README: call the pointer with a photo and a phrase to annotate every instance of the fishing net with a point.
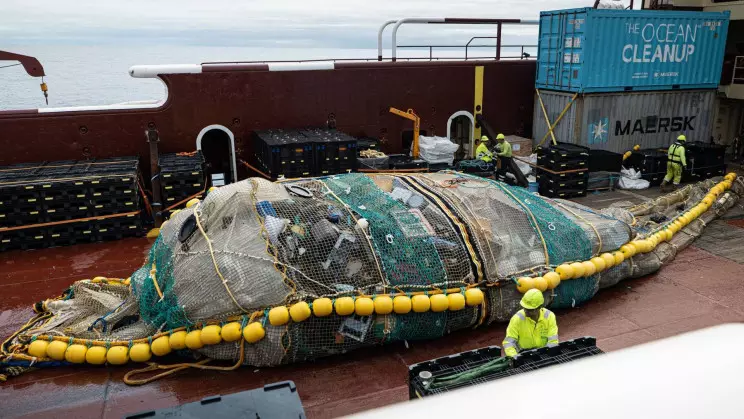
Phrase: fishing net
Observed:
(256, 245)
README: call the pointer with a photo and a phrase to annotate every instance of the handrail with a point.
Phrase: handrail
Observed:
(458, 21)
(738, 66)
(379, 37)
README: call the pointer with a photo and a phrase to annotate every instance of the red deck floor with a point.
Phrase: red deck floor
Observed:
(697, 290)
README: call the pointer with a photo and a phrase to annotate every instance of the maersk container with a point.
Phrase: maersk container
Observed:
(618, 121)
(603, 50)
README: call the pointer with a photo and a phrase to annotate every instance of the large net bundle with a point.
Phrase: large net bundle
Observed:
(315, 267)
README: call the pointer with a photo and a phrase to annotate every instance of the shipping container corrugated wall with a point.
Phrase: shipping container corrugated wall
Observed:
(618, 121)
(599, 50)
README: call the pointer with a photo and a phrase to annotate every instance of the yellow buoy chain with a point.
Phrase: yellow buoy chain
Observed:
(607, 260)
(98, 352)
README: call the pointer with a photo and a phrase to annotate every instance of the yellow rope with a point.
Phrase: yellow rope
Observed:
(157, 287)
(534, 220)
(456, 221)
(596, 232)
(172, 369)
(214, 260)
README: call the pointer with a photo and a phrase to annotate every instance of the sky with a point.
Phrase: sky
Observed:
(254, 23)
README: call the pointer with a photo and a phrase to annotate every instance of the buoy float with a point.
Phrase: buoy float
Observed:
(565, 271)
(364, 306)
(473, 296)
(192, 202)
(609, 260)
(589, 268)
(254, 332)
(383, 304)
(300, 311)
(619, 257)
(578, 269)
(76, 353)
(553, 280)
(56, 350)
(525, 284)
(140, 352)
(599, 264)
(117, 355)
(193, 340)
(438, 303)
(344, 306)
(177, 340)
(541, 284)
(279, 316)
(231, 332)
(38, 348)
(420, 303)
(211, 335)
(456, 301)
(96, 355)
(401, 304)
(322, 307)
(161, 346)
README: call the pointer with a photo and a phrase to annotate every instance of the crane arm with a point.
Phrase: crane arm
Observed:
(411, 115)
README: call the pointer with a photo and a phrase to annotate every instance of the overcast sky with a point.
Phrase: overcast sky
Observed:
(299, 23)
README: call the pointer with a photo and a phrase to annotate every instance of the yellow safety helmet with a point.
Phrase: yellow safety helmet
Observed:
(682, 138)
(500, 137)
(532, 299)
(484, 138)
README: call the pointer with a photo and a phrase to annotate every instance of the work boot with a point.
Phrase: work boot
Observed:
(663, 186)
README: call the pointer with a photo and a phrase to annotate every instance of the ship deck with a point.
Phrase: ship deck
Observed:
(700, 288)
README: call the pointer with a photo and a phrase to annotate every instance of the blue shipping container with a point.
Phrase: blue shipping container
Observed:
(604, 50)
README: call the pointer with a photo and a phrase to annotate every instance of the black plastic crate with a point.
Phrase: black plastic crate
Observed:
(564, 193)
(80, 210)
(705, 154)
(278, 400)
(447, 365)
(368, 143)
(562, 353)
(560, 178)
(604, 161)
(286, 153)
(708, 172)
(563, 151)
(560, 184)
(560, 165)
(435, 167)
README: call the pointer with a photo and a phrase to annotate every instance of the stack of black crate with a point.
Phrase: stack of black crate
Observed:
(566, 174)
(285, 153)
(302, 153)
(334, 151)
(181, 177)
(58, 193)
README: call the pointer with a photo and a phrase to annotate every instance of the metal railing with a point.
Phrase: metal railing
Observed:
(498, 54)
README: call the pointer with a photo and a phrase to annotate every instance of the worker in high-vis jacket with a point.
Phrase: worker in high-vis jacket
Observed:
(482, 152)
(675, 162)
(532, 327)
(504, 154)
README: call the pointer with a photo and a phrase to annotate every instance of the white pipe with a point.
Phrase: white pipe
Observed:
(153, 71)
(379, 37)
(410, 20)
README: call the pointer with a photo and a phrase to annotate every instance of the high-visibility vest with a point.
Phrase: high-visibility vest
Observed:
(524, 333)
(676, 153)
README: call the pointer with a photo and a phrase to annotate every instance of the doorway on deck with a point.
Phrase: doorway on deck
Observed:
(217, 144)
(460, 131)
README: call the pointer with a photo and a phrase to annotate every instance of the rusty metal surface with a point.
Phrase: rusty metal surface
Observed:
(699, 289)
(242, 101)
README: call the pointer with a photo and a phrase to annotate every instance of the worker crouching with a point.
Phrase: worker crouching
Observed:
(484, 154)
(676, 162)
(532, 327)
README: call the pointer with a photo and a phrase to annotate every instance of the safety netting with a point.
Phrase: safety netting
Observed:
(448, 250)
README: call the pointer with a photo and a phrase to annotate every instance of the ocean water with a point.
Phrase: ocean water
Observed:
(98, 75)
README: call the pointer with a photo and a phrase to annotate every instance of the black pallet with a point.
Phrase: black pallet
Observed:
(526, 361)
(563, 151)
(560, 165)
(181, 163)
(402, 162)
(562, 353)
(702, 173)
(460, 362)
(11, 240)
(278, 400)
(559, 178)
(561, 193)
(560, 184)
(604, 161)
(435, 167)
(117, 227)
